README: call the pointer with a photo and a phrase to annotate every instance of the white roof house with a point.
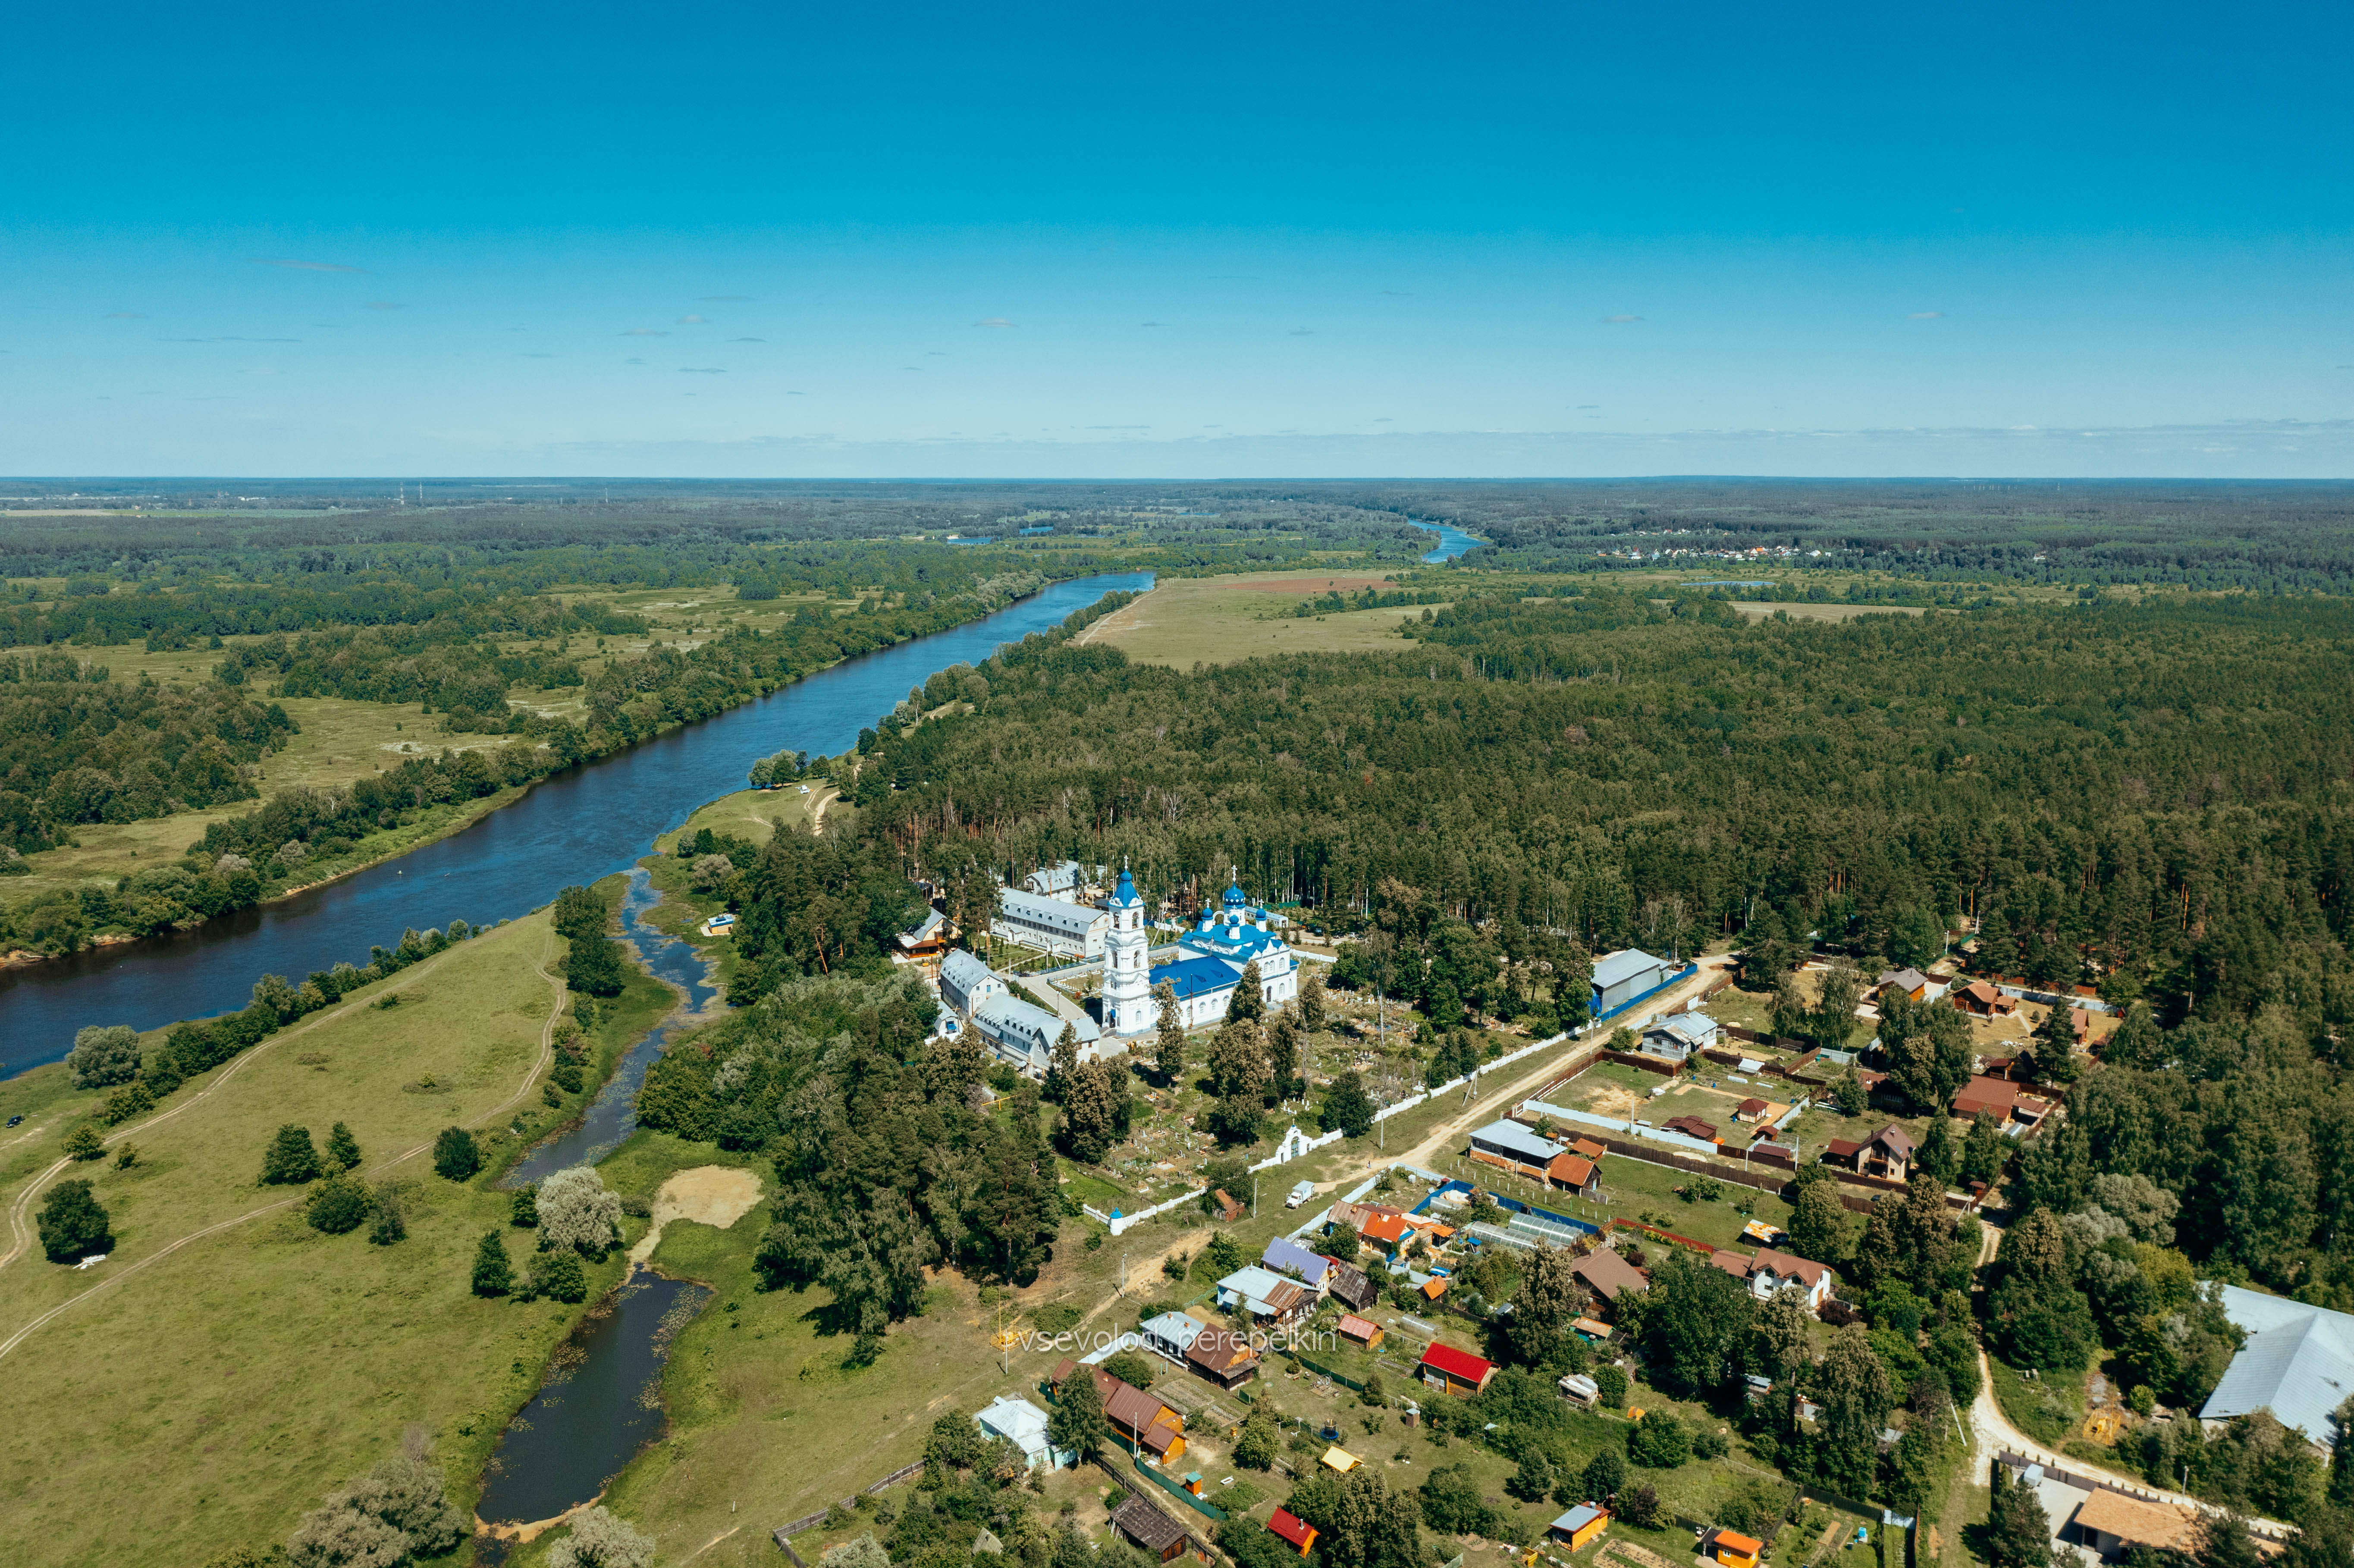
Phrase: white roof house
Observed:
(1058, 925)
(1252, 1287)
(2298, 1364)
(1024, 1424)
(1510, 1140)
(965, 982)
(1678, 1035)
(1024, 1036)
(1620, 977)
(1171, 1334)
(1054, 881)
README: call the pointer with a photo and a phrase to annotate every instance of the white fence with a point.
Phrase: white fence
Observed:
(1297, 1144)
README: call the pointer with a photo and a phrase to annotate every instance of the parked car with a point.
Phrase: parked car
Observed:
(14, 1119)
(1300, 1195)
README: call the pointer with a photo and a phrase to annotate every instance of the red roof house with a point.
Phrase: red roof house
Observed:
(1457, 1372)
(1291, 1530)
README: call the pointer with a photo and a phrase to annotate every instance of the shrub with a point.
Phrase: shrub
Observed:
(577, 1212)
(560, 1276)
(343, 1148)
(600, 1539)
(1612, 1381)
(494, 1275)
(73, 1224)
(396, 1511)
(1640, 1506)
(390, 1224)
(454, 1154)
(134, 1098)
(291, 1158)
(1708, 1443)
(83, 1143)
(103, 1055)
(1606, 1473)
(339, 1204)
(1660, 1440)
(1131, 1367)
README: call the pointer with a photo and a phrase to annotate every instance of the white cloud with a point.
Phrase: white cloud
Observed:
(691, 321)
(992, 322)
(1927, 315)
(645, 332)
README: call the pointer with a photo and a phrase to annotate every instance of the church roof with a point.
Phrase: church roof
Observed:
(1196, 976)
(1235, 898)
(1124, 896)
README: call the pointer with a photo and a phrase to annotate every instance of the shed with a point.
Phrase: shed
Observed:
(1589, 1329)
(1578, 1526)
(1586, 1148)
(1606, 1274)
(1341, 1459)
(1352, 1285)
(1579, 1389)
(1458, 1371)
(1573, 1171)
(1731, 1548)
(1292, 1531)
(1161, 1537)
(1288, 1256)
(1360, 1330)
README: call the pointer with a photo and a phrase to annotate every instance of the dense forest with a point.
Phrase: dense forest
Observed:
(2152, 799)
(81, 747)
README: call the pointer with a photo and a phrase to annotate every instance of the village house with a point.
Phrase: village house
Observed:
(1352, 1285)
(1271, 1300)
(2112, 1524)
(1887, 1154)
(1581, 1389)
(1134, 1414)
(1606, 1274)
(965, 982)
(1509, 1145)
(1170, 1335)
(1575, 1174)
(1980, 1000)
(1675, 1037)
(1909, 983)
(1360, 1331)
(1288, 1257)
(1223, 1357)
(1995, 1096)
(1766, 1273)
(926, 940)
(1024, 1424)
(1055, 881)
(1456, 1372)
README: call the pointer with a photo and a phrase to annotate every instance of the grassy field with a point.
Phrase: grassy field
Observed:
(214, 1396)
(1217, 621)
(750, 814)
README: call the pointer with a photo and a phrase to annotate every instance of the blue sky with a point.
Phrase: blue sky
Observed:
(1560, 239)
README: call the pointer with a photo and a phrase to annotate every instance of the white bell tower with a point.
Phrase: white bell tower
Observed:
(1128, 1006)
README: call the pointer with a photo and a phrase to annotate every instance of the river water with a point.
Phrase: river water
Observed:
(613, 1115)
(580, 825)
(601, 1405)
(1452, 542)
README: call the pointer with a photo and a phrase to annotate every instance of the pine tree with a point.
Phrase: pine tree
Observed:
(1937, 1154)
(1077, 1423)
(1311, 1001)
(2018, 1533)
(1061, 1063)
(292, 1158)
(2053, 1050)
(1348, 1107)
(1092, 1113)
(1249, 1000)
(1283, 1054)
(1982, 1150)
(1168, 1056)
(494, 1275)
(343, 1148)
(523, 1209)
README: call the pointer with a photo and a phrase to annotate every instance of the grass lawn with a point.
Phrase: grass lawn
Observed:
(2048, 1409)
(749, 814)
(213, 1398)
(1217, 621)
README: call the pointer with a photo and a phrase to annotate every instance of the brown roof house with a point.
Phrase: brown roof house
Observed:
(1606, 1274)
(1135, 1415)
(1980, 1000)
(1222, 1356)
(1908, 984)
(1997, 1096)
(1161, 1538)
(1887, 1154)
(1578, 1175)
(1350, 1284)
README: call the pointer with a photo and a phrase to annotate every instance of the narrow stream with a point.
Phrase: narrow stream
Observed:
(601, 1404)
(613, 1115)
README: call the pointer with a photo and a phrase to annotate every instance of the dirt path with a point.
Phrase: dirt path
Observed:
(1486, 1106)
(825, 797)
(1126, 615)
(1992, 1431)
(541, 1061)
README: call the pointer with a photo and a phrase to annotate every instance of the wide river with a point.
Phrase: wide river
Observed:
(591, 822)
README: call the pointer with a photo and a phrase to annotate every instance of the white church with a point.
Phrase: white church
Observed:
(1208, 966)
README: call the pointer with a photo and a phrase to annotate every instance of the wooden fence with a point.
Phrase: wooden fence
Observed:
(809, 1520)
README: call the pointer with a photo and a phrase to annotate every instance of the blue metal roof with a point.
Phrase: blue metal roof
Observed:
(1194, 977)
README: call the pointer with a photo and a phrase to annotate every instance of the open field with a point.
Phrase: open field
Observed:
(213, 1398)
(750, 814)
(1217, 621)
